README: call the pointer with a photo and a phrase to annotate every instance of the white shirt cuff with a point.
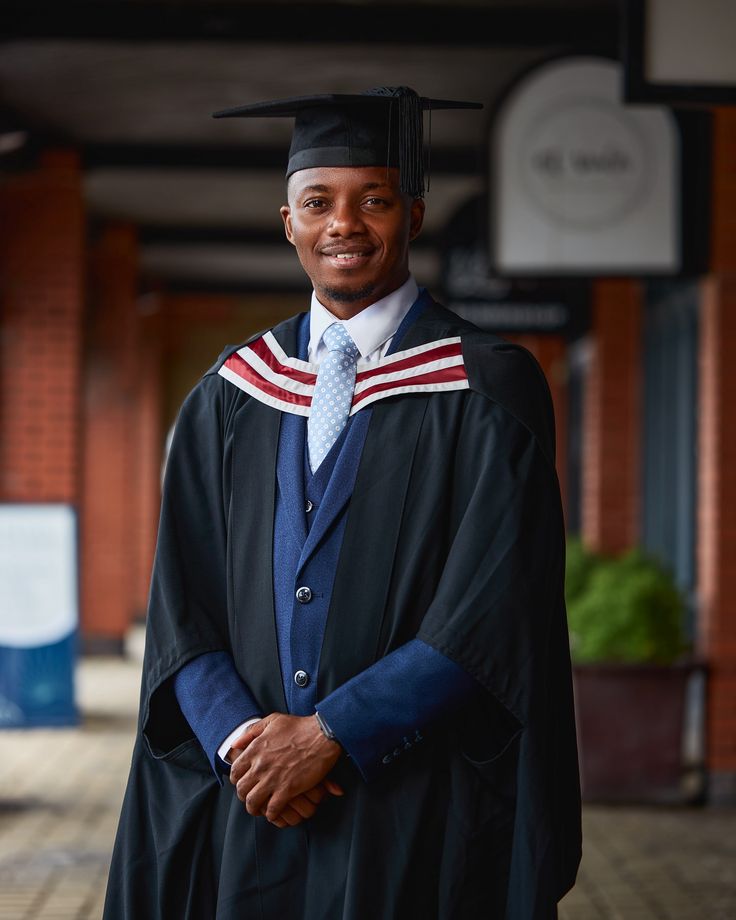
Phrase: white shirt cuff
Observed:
(224, 748)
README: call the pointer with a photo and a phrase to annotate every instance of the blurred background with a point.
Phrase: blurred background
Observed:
(589, 212)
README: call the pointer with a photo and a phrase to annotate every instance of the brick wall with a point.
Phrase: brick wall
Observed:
(717, 525)
(717, 469)
(41, 299)
(148, 455)
(611, 419)
(197, 326)
(111, 469)
(551, 352)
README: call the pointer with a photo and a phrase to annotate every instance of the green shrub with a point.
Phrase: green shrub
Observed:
(626, 610)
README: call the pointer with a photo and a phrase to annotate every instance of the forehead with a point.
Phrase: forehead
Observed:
(342, 178)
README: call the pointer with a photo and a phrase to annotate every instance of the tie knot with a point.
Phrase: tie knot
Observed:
(337, 338)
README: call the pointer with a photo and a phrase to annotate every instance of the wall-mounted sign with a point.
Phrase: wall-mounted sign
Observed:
(38, 615)
(680, 51)
(531, 305)
(38, 574)
(515, 317)
(582, 183)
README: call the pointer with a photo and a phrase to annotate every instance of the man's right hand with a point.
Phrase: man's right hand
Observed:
(302, 806)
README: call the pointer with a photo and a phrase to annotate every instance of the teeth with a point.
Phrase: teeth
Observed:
(348, 255)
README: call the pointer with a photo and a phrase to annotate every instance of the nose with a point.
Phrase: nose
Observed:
(346, 220)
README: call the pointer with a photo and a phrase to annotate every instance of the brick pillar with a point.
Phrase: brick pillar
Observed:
(109, 556)
(551, 352)
(41, 298)
(723, 197)
(716, 627)
(149, 441)
(611, 422)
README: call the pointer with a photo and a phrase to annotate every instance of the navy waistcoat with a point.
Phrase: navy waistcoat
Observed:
(307, 544)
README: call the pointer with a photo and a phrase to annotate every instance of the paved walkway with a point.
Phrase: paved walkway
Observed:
(60, 794)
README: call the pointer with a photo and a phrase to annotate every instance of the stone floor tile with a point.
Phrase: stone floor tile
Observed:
(61, 790)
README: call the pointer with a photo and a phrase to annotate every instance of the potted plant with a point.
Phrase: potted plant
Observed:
(631, 666)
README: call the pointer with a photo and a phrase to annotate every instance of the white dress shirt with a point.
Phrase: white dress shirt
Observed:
(372, 331)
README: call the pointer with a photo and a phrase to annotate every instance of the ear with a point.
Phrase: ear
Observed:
(285, 212)
(416, 218)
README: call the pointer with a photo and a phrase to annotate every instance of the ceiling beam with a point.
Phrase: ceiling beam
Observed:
(579, 27)
(444, 160)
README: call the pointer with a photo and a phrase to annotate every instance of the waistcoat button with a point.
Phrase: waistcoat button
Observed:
(308, 506)
(301, 678)
(304, 594)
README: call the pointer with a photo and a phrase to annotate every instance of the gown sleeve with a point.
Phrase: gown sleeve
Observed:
(487, 626)
(498, 610)
(187, 609)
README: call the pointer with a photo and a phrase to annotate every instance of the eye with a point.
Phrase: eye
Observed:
(315, 203)
(373, 201)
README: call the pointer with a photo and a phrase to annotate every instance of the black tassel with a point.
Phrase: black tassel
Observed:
(428, 169)
(410, 144)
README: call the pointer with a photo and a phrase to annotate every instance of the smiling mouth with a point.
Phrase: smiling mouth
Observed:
(348, 259)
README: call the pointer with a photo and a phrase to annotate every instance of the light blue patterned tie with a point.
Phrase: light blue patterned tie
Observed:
(333, 393)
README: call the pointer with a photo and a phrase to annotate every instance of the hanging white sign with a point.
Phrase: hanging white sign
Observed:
(581, 182)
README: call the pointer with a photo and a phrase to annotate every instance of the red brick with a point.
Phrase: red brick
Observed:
(149, 439)
(551, 352)
(716, 525)
(41, 301)
(610, 487)
(110, 486)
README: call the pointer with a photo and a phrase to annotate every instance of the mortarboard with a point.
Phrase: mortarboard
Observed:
(380, 127)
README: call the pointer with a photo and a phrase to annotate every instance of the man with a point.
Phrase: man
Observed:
(357, 606)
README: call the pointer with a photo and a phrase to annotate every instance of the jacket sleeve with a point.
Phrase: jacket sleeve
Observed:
(384, 711)
(214, 700)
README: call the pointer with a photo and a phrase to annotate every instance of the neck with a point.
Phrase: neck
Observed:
(347, 305)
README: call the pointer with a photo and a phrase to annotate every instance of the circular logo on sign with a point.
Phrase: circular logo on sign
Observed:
(584, 163)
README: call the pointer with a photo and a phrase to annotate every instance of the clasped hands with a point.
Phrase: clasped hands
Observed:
(280, 766)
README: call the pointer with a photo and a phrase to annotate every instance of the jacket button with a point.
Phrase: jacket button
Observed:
(301, 678)
(304, 594)
(308, 506)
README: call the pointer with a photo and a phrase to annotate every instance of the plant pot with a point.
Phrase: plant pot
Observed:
(631, 727)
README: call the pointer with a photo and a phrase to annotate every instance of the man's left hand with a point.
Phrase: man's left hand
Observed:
(283, 757)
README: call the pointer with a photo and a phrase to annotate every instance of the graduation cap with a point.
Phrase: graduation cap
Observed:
(380, 127)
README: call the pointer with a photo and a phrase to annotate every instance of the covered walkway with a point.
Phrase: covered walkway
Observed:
(60, 794)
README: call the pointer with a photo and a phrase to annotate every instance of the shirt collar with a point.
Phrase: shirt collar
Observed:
(370, 328)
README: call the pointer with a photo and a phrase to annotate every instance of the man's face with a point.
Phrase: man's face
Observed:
(351, 227)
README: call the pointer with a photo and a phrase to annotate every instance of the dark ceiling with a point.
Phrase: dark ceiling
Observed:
(132, 85)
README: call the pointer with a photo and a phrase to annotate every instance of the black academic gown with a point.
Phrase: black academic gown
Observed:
(455, 535)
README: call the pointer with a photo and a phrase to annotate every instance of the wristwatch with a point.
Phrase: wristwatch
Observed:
(326, 730)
